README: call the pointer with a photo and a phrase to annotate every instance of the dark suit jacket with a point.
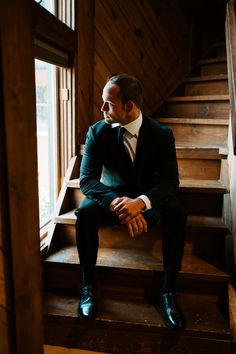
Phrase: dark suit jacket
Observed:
(107, 171)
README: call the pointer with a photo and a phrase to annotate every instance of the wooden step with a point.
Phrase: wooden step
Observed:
(213, 66)
(211, 131)
(129, 324)
(206, 85)
(69, 218)
(132, 268)
(218, 50)
(201, 98)
(202, 232)
(206, 194)
(213, 60)
(214, 107)
(208, 186)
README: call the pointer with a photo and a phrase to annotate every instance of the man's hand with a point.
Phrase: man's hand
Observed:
(129, 212)
(137, 225)
(127, 208)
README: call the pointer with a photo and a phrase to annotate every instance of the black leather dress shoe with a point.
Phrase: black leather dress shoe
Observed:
(173, 316)
(87, 309)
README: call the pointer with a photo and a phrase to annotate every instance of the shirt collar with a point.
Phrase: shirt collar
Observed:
(133, 127)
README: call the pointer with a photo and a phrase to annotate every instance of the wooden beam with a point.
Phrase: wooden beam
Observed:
(20, 169)
(52, 36)
(230, 33)
(7, 335)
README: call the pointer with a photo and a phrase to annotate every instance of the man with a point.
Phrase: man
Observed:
(130, 176)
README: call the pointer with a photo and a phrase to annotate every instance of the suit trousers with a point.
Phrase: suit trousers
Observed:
(171, 216)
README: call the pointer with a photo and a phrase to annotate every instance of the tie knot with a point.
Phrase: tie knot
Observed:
(122, 130)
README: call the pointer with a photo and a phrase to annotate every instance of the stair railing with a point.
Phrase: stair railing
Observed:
(230, 31)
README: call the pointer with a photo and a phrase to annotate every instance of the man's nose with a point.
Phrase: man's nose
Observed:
(104, 107)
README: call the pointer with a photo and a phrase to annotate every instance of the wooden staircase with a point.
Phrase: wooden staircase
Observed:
(129, 271)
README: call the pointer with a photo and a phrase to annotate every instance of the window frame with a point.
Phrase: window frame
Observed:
(54, 42)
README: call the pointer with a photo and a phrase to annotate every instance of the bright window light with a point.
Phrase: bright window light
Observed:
(46, 137)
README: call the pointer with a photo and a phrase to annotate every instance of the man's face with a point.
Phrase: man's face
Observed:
(114, 111)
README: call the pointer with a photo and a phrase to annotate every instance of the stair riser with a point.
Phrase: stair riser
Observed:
(206, 88)
(220, 51)
(202, 203)
(118, 237)
(213, 69)
(133, 282)
(124, 338)
(199, 169)
(218, 109)
(197, 133)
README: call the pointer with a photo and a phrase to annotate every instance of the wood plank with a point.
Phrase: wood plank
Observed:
(202, 121)
(135, 311)
(141, 259)
(202, 185)
(50, 30)
(7, 333)
(52, 349)
(206, 88)
(206, 186)
(139, 328)
(195, 109)
(214, 69)
(193, 220)
(84, 69)
(213, 60)
(209, 78)
(198, 131)
(231, 57)
(232, 310)
(20, 145)
(199, 98)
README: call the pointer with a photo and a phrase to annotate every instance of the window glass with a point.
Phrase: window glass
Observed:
(47, 4)
(45, 79)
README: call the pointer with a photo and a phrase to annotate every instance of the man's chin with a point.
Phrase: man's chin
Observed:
(108, 120)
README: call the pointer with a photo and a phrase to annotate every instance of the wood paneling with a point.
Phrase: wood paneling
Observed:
(148, 39)
(84, 73)
(19, 146)
(7, 339)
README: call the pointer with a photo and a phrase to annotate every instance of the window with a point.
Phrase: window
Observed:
(64, 10)
(47, 4)
(45, 78)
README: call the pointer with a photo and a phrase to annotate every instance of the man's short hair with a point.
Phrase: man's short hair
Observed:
(130, 88)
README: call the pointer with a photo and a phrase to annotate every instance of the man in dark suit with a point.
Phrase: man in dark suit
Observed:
(129, 175)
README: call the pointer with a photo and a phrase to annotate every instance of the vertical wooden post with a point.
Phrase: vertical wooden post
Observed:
(7, 338)
(19, 149)
(84, 73)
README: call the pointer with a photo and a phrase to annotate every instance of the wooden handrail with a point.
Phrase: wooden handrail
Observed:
(230, 31)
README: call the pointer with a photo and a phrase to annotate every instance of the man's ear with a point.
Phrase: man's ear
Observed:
(129, 106)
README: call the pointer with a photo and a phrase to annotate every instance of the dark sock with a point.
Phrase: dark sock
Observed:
(169, 283)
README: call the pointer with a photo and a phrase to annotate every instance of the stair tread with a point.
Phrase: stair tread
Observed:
(202, 185)
(213, 60)
(219, 151)
(206, 78)
(198, 98)
(205, 121)
(141, 259)
(203, 315)
(193, 220)
(207, 185)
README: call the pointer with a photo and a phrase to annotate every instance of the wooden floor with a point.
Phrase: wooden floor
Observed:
(50, 349)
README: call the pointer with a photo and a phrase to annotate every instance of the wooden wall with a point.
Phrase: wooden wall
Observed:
(20, 263)
(149, 39)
